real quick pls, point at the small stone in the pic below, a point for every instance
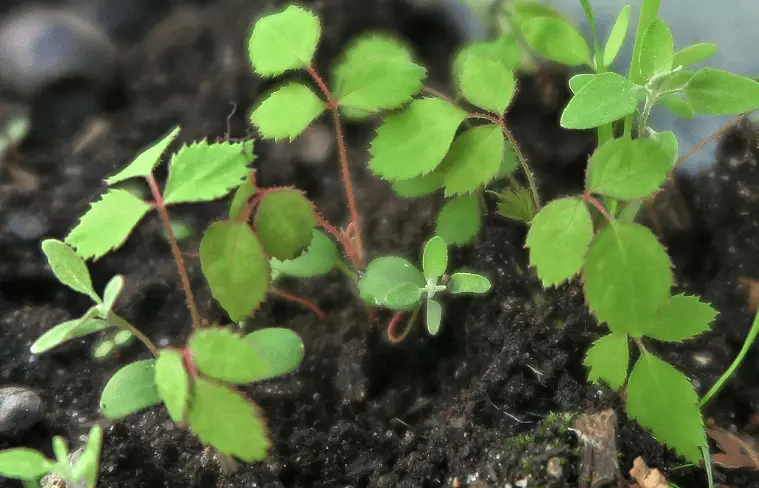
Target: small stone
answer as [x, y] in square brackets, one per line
[553, 468]
[315, 145]
[20, 409]
[702, 359]
[25, 226]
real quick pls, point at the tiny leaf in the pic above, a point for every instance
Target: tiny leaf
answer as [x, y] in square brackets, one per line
[280, 348]
[241, 198]
[469, 283]
[558, 239]
[67, 331]
[419, 185]
[284, 41]
[86, 467]
[131, 389]
[557, 40]
[682, 318]
[286, 113]
[111, 293]
[69, 268]
[385, 273]
[677, 105]
[24, 464]
[203, 172]
[434, 316]
[317, 260]
[617, 36]
[656, 50]
[403, 297]
[223, 355]
[694, 54]
[474, 159]
[578, 81]
[608, 360]
[717, 92]
[459, 220]
[173, 383]
[516, 204]
[284, 222]
[485, 81]
[146, 161]
[435, 258]
[107, 224]
[603, 99]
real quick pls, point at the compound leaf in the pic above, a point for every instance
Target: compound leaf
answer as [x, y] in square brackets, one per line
[235, 266]
[435, 258]
[474, 159]
[682, 318]
[557, 40]
[403, 297]
[608, 360]
[661, 399]
[69, 268]
[419, 185]
[131, 389]
[284, 222]
[558, 239]
[317, 260]
[284, 41]
[617, 36]
[219, 416]
[286, 112]
[656, 50]
[627, 277]
[385, 273]
[146, 161]
[694, 54]
[414, 141]
[281, 349]
[434, 316]
[223, 355]
[24, 464]
[459, 220]
[484, 81]
[203, 172]
[173, 383]
[468, 283]
[603, 99]
[377, 73]
[107, 224]
[716, 92]
[67, 331]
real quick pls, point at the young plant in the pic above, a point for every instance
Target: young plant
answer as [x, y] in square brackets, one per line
[29, 465]
[394, 283]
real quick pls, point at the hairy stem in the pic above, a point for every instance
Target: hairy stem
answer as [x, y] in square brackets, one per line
[348, 246]
[599, 206]
[300, 301]
[123, 324]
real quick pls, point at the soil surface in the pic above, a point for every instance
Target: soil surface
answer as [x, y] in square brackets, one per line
[484, 404]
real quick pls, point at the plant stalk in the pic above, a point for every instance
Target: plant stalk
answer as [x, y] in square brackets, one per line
[648, 13]
[122, 323]
[300, 301]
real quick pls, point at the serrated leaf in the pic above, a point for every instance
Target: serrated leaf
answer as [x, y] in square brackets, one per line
[504, 51]
[419, 185]
[485, 81]
[627, 277]
[414, 141]
[717, 92]
[219, 416]
[605, 98]
[578, 81]
[558, 239]
[24, 464]
[317, 260]
[617, 36]
[223, 355]
[516, 204]
[474, 159]
[385, 273]
[468, 283]
[111, 293]
[433, 317]
[459, 220]
[235, 266]
[107, 224]
[404, 297]
[146, 161]
[281, 349]
[608, 359]
[377, 73]
[286, 112]
[435, 258]
[661, 399]
[173, 383]
[284, 41]
[131, 389]
[203, 172]
[69, 268]
[628, 169]
[241, 198]
[677, 105]
[284, 223]
[67, 331]
[557, 40]
[656, 50]
[683, 317]
[694, 54]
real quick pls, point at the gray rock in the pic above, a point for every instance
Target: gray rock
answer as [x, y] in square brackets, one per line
[20, 409]
[25, 226]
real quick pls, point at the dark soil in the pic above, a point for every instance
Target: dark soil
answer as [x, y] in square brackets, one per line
[360, 412]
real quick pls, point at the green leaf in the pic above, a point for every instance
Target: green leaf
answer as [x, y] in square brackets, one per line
[317, 260]
[286, 113]
[717, 92]
[226, 420]
[627, 277]
[419, 185]
[510, 161]
[284, 222]
[280, 348]
[459, 220]
[628, 169]
[223, 355]
[235, 266]
[675, 81]
[474, 159]
[661, 399]
[516, 204]
[605, 98]
[435, 258]
[556, 40]
[173, 383]
[414, 141]
[694, 54]
[241, 198]
[617, 36]
[87, 466]
[677, 105]
[131, 389]
[377, 74]
[107, 224]
[434, 316]
[111, 293]
[682, 318]
[203, 172]
[146, 161]
[558, 239]
[385, 273]
[578, 81]
[24, 464]
[469, 283]
[404, 297]
[67, 331]
[656, 50]
[608, 360]
[485, 81]
[668, 141]
[504, 51]
[69, 268]
[284, 41]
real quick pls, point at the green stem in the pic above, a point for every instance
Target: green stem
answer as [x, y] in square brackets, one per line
[736, 363]
[708, 465]
[123, 324]
[648, 13]
[597, 55]
[643, 119]
[345, 269]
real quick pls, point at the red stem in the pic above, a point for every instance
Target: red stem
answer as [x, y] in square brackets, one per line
[392, 326]
[348, 246]
[300, 301]
[599, 206]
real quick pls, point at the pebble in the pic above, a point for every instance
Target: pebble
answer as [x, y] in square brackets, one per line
[703, 358]
[122, 20]
[20, 409]
[25, 226]
[315, 145]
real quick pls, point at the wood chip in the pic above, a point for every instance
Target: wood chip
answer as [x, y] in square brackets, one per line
[646, 477]
[599, 465]
[736, 452]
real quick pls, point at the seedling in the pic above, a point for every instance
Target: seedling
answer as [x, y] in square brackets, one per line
[29, 465]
